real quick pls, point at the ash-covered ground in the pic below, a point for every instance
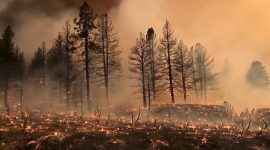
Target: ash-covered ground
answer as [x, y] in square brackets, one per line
[184, 127]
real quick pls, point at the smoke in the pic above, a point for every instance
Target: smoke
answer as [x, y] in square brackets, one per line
[49, 8]
[232, 30]
[35, 21]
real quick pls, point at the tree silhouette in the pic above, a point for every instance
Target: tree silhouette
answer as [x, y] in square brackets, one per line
[60, 65]
[37, 66]
[257, 75]
[167, 48]
[139, 64]
[70, 68]
[203, 64]
[56, 64]
[85, 26]
[183, 67]
[11, 64]
[108, 42]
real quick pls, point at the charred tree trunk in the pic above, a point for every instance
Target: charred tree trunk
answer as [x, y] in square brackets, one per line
[194, 76]
[21, 97]
[170, 72]
[184, 88]
[107, 61]
[105, 53]
[81, 96]
[183, 76]
[67, 82]
[200, 76]
[139, 61]
[153, 73]
[167, 46]
[87, 73]
[149, 92]
[143, 84]
[6, 87]
[204, 81]
[43, 71]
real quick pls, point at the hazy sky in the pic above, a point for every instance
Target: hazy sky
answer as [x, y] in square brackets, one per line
[236, 30]
[226, 28]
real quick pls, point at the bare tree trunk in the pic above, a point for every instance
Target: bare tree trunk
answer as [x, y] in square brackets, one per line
[170, 74]
[43, 71]
[21, 97]
[81, 95]
[87, 73]
[194, 76]
[105, 53]
[183, 76]
[6, 95]
[143, 85]
[200, 75]
[149, 92]
[204, 81]
[184, 88]
[67, 84]
[153, 73]
[107, 60]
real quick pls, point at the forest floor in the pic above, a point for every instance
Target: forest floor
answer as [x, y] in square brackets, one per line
[54, 131]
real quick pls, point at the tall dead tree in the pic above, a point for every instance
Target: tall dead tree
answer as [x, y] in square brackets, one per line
[155, 65]
[139, 64]
[43, 65]
[167, 48]
[20, 67]
[194, 79]
[109, 43]
[183, 67]
[85, 25]
[70, 75]
[55, 63]
[205, 78]
[37, 69]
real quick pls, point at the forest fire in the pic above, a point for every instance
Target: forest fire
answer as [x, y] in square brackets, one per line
[32, 129]
[131, 74]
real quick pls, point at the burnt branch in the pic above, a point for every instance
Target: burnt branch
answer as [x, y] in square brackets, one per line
[97, 115]
[266, 125]
[244, 130]
[133, 123]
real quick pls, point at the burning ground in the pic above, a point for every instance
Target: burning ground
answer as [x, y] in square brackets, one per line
[191, 126]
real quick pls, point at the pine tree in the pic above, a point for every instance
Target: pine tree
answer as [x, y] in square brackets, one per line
[257, 75]
[183, 67]
[110, 53]
[85, 25]
[139, 64]
[70, 70]
[167, 48]
[11, 64]
[37, 69]
[20, 67]
[154, 76]
[205, 80]
[56, 64]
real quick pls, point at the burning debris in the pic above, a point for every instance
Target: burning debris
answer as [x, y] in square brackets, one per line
[141, 129]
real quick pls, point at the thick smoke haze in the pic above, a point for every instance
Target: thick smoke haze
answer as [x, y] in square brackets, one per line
[233, 30]
[35, 21]
[49, 8]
